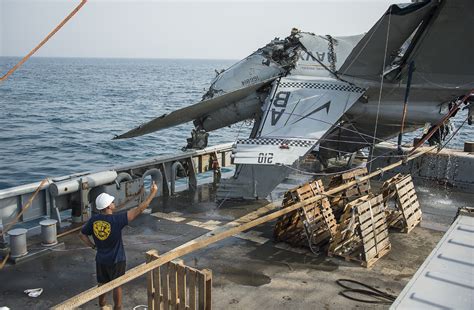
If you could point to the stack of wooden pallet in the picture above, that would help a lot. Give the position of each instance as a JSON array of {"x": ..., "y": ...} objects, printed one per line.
[
  {"x": 354, "y": 223},
  {"x": 311, "y": 225}
]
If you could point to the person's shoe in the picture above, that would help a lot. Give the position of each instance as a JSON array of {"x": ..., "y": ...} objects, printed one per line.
[{"x": 106, "y": 307}]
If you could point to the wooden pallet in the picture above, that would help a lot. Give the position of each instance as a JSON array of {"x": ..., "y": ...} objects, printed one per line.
[
  {"x": 407, "y": 214},
  {"x": 408, "y": 203},
  {"x": 362, "y": 234},
  {"x": 356, "y": 191},
  {"x": 392, "y": 212},
  {"x": 177, "y": 286},
  {"x": 318, "y": 217}
]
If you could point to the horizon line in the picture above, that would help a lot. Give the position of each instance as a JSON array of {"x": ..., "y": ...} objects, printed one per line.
[{"x": 124, "y": 58}]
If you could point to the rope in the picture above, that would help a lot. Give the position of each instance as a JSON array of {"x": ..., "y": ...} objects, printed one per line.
[
  {"x": 25, "y": 208},
  {"x": 52, "y": 33},
  {"x": 2, "y": 264},
  {"x": 378, "y": 296},
  {"x": 381, "y": 86}
]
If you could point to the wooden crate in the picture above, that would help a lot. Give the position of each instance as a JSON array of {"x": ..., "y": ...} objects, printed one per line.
[
  {"x": 362, "y": 234},
  {"x": 318, "y": 217},
  {"x": 177, "y": 286}
]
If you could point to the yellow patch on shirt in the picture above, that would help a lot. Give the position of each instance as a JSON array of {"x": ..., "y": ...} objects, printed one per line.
[{"x": 101, "y": 229}]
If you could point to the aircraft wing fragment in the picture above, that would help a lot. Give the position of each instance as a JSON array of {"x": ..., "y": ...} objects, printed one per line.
[
  {"x": 190, "y": 113},
  {"x": 298, "y": 114}
]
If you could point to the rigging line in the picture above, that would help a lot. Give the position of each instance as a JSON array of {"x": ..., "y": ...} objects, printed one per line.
[
  {"x": 52, "y": 33},
  {"x": 381, "y": 86},
  {"x": 365, "y": 45},
  {"x": 384, "y": 155},
  {"x": 240, "y": 128},
  {"x": 360, "y": 134}
]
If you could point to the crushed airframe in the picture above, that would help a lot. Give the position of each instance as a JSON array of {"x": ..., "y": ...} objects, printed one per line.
[{"x": 331, "y": 95}]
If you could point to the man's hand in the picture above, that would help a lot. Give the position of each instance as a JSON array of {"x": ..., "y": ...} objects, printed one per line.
[
  {"x": 133, "y": 213},
  {"x": 86, "y": 240},
  {"x": 153, "y": 188}
]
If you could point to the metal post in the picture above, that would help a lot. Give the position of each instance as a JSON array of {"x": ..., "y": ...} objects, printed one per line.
[
  {"x": 48, "y": 232},
  {"x": 18, "y": 242}
]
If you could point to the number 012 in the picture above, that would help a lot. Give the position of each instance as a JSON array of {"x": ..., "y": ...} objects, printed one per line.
[{"x": 265, "y": 158}]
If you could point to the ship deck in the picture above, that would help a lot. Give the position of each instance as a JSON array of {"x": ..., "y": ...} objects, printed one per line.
[{"x": 249, "y": 271}]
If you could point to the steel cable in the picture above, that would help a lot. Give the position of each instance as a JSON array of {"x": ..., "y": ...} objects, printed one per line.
[{"x": 379, "y": 297}]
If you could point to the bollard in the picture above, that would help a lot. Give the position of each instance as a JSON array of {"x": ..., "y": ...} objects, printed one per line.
[
  {"x": 469, "y": 147},
  {"x": 17, "y": 242},
  {"x": 49, "y": 232}
]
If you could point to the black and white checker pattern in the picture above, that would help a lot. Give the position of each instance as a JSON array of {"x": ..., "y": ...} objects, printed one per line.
[
  {"x": 276, "y": 141},
  {"x": 325, "y": 86}
]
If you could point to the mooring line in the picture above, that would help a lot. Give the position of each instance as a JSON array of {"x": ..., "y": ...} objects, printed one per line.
[{"x": 52, "y": 33}]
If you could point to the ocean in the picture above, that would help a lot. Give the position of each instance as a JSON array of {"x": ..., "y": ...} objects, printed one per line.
[{"x": 59, "y": 115}]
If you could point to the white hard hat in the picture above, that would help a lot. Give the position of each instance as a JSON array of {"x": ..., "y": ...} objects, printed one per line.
[{"x": 103, "y": 201}]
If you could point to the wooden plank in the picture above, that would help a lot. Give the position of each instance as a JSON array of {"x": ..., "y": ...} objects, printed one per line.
[
  {"x": 408, "y": 188},
  {"x": 157, "y": 298},
  {"x": 208, "y": 289},
  {"x": 376, "y": 211},
  {"x": 149, "y": 284},
  {"x": 374, "y": 254},
  {"x": 191, "y": 276},
  {"x": 173, "y": 275},
  {"x": 368, "y": 243},
  {"x": 166, "y": 286},
  {"x": 218, "y": 234},
  {"x": 181, "y": 286},
  {"x": 378, "y": 218},
  {"x": 201, "y": 286}
]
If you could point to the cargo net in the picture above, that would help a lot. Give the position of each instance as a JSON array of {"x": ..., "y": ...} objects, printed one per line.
[{"x": 353, "y": 223}]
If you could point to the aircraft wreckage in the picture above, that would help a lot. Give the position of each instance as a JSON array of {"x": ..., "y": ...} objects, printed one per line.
[{"x": 330, "y": 95}]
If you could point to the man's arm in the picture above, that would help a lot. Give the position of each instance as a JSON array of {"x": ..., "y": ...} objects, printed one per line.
[
  {"x": 86, "y": 240},
  {"x": 133, "y": 213}
]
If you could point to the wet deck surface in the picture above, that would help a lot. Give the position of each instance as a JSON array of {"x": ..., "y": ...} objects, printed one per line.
[{"x": 249, "y": 272}]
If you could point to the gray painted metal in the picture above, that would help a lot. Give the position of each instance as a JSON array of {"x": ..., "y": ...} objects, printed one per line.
[
  {"x": 49, "y": 232},
  {"x": 18, "y": 242},
  {"x": 452, "y": 167},
  {"x": 47, "y": 205},
  {"x": 446, "y": 279},
  {"x": 96, "y": 179}
]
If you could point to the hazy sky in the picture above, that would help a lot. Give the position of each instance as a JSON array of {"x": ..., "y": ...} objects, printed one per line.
[{"x": 174, "y": 29}]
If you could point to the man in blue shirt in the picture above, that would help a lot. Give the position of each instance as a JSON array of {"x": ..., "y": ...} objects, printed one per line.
[{"x": 106, "y": 231}]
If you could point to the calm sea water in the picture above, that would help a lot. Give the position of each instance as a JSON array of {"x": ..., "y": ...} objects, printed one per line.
[{"x": 58, "y": 115}]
